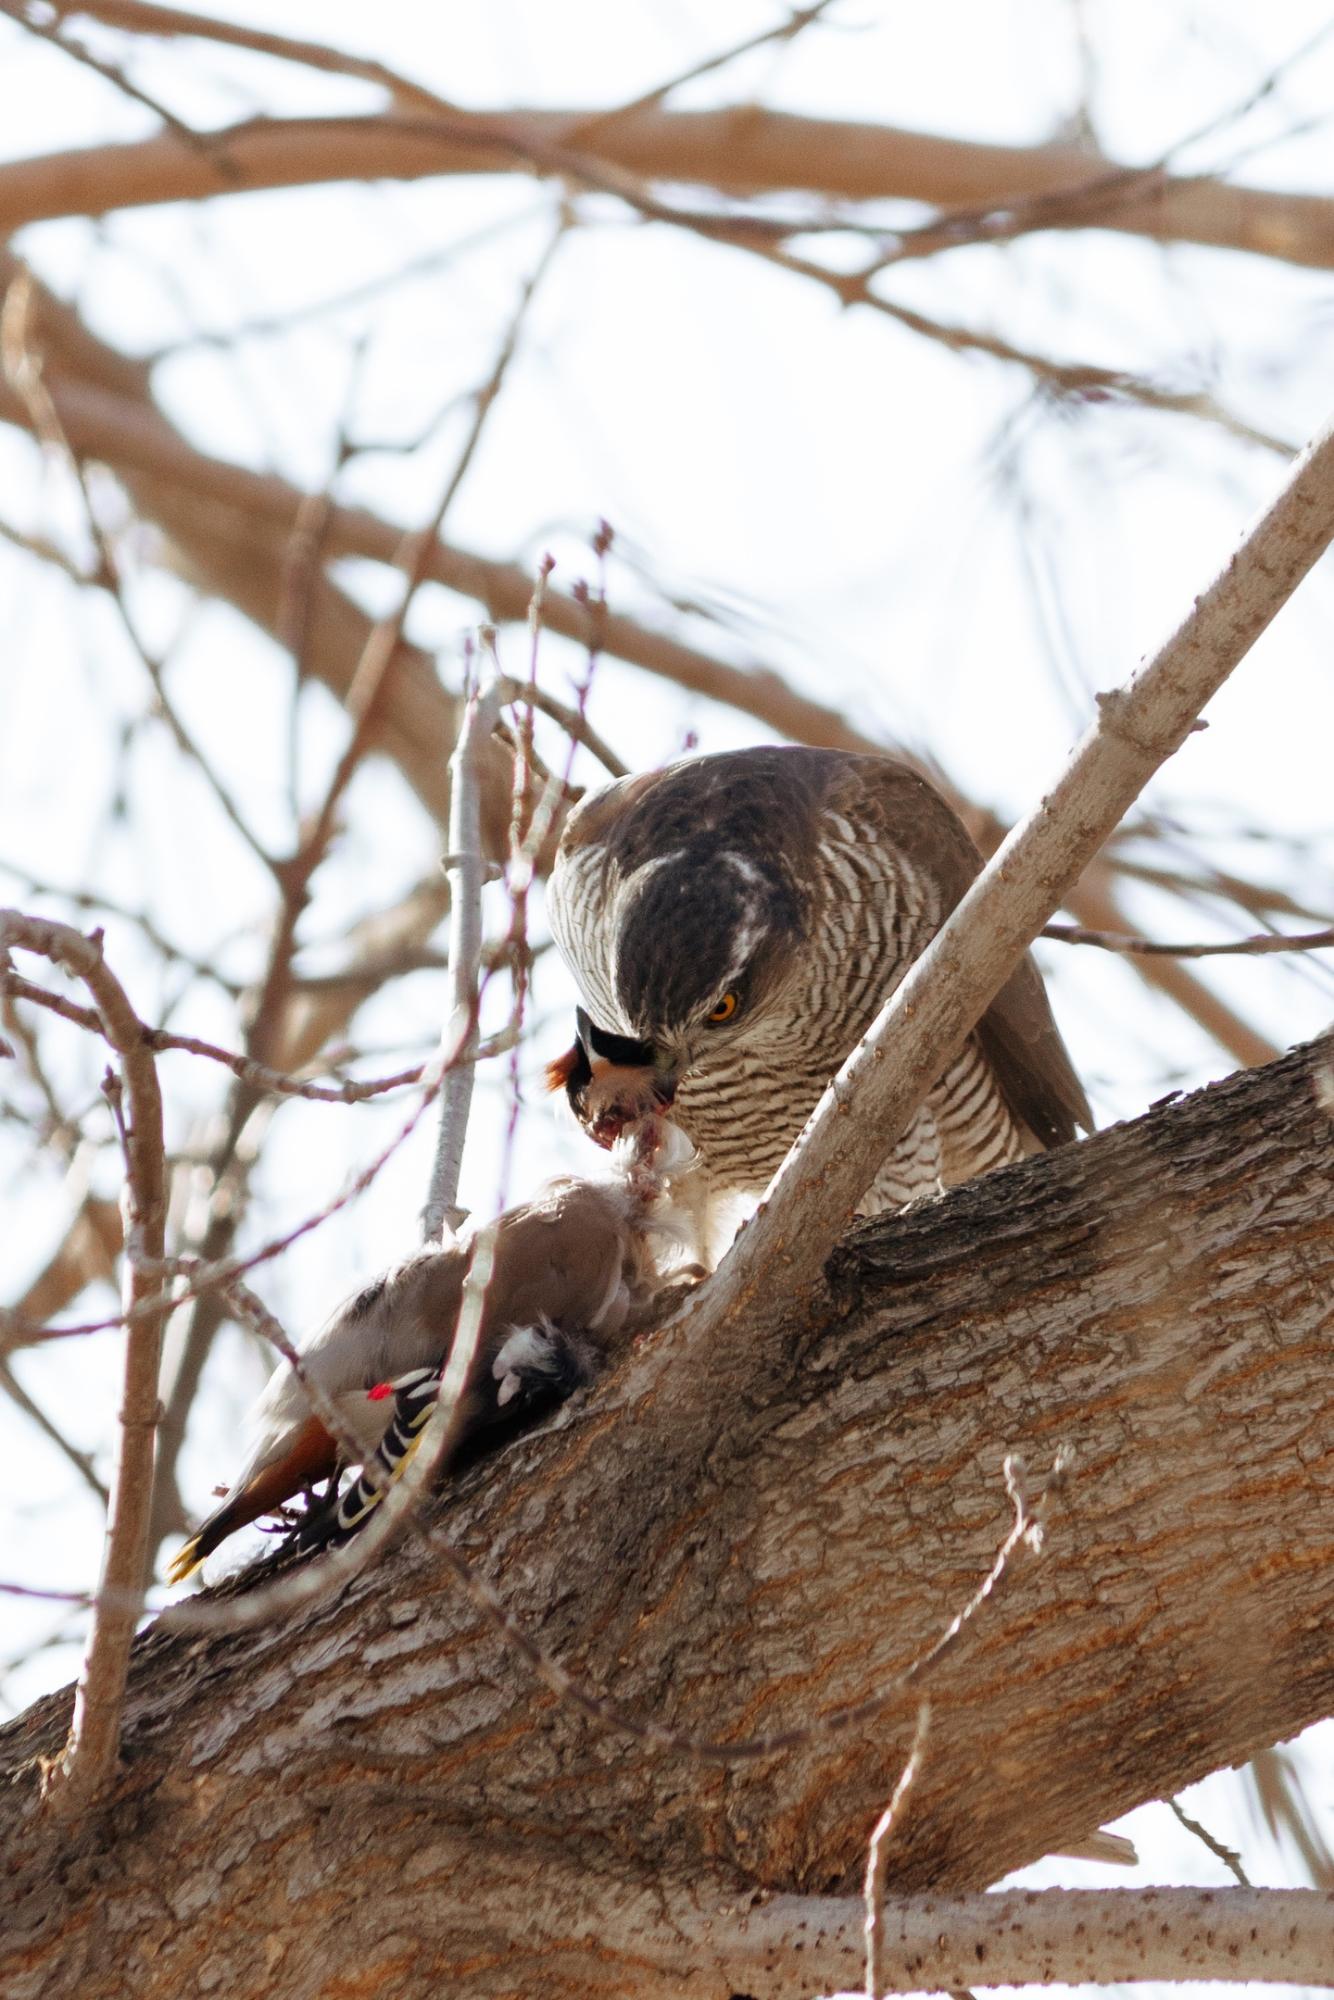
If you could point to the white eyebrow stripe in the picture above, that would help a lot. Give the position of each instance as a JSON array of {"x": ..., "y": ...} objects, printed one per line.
[
  {"x": 753, "y": 876},
  {"x": 748, "y": 938},
  {"x": 628, "y": 890}
]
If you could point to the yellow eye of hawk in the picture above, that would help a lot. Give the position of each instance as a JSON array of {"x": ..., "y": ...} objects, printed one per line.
[{"x": 725, "y": 1009}]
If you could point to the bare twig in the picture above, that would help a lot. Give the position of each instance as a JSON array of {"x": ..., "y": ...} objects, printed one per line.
[
  {"x": 877, "y": 1857},
  {"x": 1229, "y": 1857},
  {"x": 383, "y": 659},
  {"x": 22, "y": 12},
  {"x": 780, "y": 1253},
  {"x": 254, "y": 1313},
  {"x": 466, "y": 874},
  {"x": 80, "y": 1460},
  {"x": 1071, "y": 380},
  {"x": 258, "y": 1075},
  {"x": 576, "y": 726},
  {"x": 784, "y": 31},
  {"x": 1094, "y": 902},
  {"x": 107, "y": 906},
  {"x": 1255, "y": 947},
  {"x": 216, "y": 1274},
  {"x": 224, "y": 517},
  {"x": 135, "y": 17},
  {"x": 90, "y": 1754}
]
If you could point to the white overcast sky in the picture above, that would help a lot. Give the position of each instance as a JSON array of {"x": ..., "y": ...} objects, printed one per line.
[{"x": 896, "y": 529}]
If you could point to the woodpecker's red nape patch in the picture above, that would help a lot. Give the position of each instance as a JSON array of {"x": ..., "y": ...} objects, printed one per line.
[
  {"x": 559, "y": 1072},
  {"x": 380, "y": 1391}
]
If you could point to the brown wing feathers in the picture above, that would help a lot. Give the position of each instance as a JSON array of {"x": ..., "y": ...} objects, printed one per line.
[{"x": 1022, "y": 1042}]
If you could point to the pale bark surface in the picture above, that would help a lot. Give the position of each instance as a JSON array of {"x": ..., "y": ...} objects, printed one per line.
[{"x": 375, "y": 1795}]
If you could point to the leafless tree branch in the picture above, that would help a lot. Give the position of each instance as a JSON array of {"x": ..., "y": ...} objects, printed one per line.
[
  {"x": 792, "y": 1946},
  {"x": 466, "y": 874},
  {"x": 90, "y": 1753},
  {"x": 1252, "y": 947},
  {"x": 746, "y": 150}
]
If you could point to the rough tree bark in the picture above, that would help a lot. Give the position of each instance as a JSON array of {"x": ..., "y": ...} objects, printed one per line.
[{"x": 374, "y": 1795}]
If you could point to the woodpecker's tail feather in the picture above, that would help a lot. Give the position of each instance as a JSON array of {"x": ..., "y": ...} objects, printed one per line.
[
  {"x": 209, "y": 1535},
  {"x": 309, "y": 1455}
]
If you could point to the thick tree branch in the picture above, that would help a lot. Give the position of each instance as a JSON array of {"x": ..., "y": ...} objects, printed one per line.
[
  {"x": 730, "y": 1561},
  {"x": 796, "y": 1946},
  {"x": 743, "y": 151}
]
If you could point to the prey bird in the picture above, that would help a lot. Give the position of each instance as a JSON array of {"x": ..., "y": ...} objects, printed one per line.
[
  {"x": 570, "y": 1269},
  {"x": 735, "y": 923}
]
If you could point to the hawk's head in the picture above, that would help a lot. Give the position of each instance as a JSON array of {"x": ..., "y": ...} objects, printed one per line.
[{"x": 681, "y": 917}]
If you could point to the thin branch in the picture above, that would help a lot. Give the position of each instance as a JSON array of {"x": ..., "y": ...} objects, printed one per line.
[
  {"x": 781, "y": 1252},
  {"x": 466, "y": 868},
  {"x": 1229, "y": 1857},
  {"x": 255, "y": 1314},
  {"x": 785, "y": 31},
  {"x": 23, "y": 369},
  {"x": 576, "y": 725},
  {"x": 80, "y": 1460},
  {"x": 135, "y": 17},
  {"x": 106, "y": 906},
  {"x": 1254, "y": 947},
  {"x": 383, "y": 659},
  {"x": 413, "y": 558},
  {"x": 1094, "y": 902},
  {"x": 1074, "y": 381},
  {"x": 258, "y": 1075},
  {"x": 212, "y": 1275},
  {"x": 877, "y": 1857},
  {"x": 22, "y": 13},
  {"x": 90, "y": 1754}
]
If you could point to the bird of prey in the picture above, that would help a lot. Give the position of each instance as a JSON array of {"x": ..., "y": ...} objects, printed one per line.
[
  {"x": 569, "y": 1269},
  {"x": 735, "y": 923}
]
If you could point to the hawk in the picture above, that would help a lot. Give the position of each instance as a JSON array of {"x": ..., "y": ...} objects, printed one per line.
[
  {"x": 735, "y": 923},
  {"x": 569, "y": 1270}
]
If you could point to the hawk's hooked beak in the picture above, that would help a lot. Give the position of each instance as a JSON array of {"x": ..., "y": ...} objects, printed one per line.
[{"x": 611, "y": 1080}]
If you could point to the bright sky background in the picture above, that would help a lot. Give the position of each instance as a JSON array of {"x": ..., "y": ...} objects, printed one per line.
[{"x": 899, "y": 531}]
